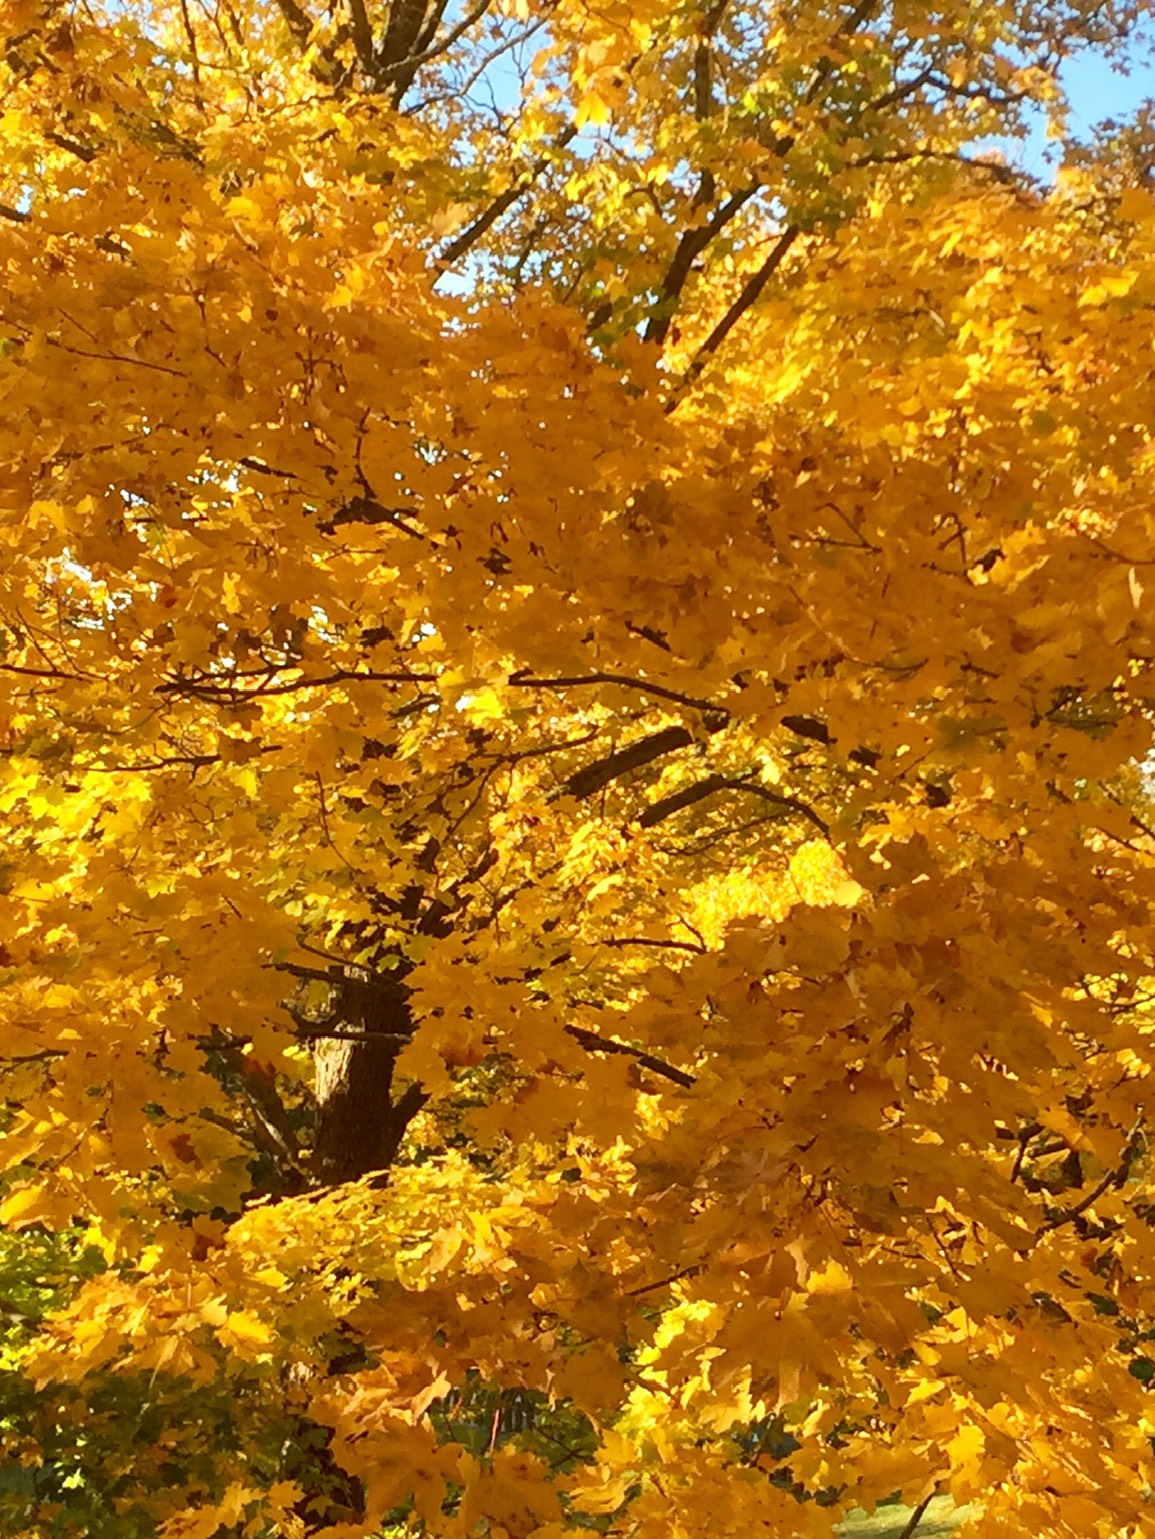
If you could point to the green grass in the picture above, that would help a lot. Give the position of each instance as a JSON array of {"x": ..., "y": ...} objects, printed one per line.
[{"x": 888, "y": 1522}]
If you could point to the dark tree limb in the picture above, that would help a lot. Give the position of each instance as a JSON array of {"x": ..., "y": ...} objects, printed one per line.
[
  {"x": 525, "y": 680},
  {"x": 818, "y": 732},
  {"x": 298, "y": 21},
  {"x": 694, "y": 241},
  {"x": 230, "y": 689},
  {"x": 750, "y": 293},
  {"x": 409, "y": 22},
  {"x": 359, "y": 1125},
  {"x": 21, "y": 1060},
  {"x": 658, "y": 811},
  {"x": 515, "y": 191},
  {"x": 664, "y": 1282},
  {"x": 362, "y": 35},
  {"x": 693, "y": 947},
  {"x": 327, "y": 68},
  {"x": 1115, "y": 1177},
  {"x": 917, "y": 1516},
  {"x": 428, "y": 45},
  {"x": 595, "y": 777},
  {"x": 594, "y": 1043},
  {"x": 691, "y": 244},
  {"x": 83, "y": 152},
  {"x": 269, "y": 1117},
  {"x": 827, "y": 65}
]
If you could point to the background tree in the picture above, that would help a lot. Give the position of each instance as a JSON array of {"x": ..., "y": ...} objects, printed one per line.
[{"x": 576, "y": 667}]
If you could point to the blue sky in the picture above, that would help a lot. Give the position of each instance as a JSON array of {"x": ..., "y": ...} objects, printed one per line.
[{"x": 1096, "y": 90}]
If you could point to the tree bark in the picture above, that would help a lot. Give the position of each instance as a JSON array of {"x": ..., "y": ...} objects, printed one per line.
[{"x": 359, "y": 1123}]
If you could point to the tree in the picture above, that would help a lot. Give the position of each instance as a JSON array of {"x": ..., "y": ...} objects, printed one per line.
[{"x": 576, "y": 668}]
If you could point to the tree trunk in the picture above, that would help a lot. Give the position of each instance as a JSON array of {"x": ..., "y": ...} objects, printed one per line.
[{"x": 359, "y": 1125}]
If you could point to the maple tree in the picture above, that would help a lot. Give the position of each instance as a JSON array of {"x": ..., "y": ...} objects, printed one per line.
[{"x": 576, "y": 668}]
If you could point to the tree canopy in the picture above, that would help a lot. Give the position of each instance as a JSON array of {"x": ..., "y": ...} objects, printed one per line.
[{"x": 576, "y": 660}]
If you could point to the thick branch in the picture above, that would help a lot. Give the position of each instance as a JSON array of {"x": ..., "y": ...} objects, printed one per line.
[
  {"x": 300, "y": 24},
  {"x": 430, "y": 46},
  {"x": 694, "y": 241},
  {"x": 362, "y": 34},
  {"x": 409, "y": 22},
  {"x": 825, "y": 67},
  {"x": 694, "y": 948},
  {"x": 271, "y": 1123},
  {"x": 21, "y": 1060},
  {"x": 690, "y": 246},
  {"x": 489, "y": 217},
  {"x": 596, "y": 776},
  {"x": 83, "y": 152},
  {"x": 751, "y": 291},
  {"x": 658, "y": 811},
  {"x": 818, "y": 732},
  {"x": 297, "y": 20}
]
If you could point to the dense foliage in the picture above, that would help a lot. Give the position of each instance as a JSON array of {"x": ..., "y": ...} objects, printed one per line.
[{"x": 576, "y": 660}]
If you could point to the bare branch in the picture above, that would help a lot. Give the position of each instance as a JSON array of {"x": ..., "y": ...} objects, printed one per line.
[
  {"x": 704, "y": 62},
  {"x": 695, "y": 240},
  {"x": 41, "y": 673},
  {"x": 21, "y": 1060},
  {"x": 664, "y": 1282},
  {"x": 83, "y": 152},
  {"x": 367, "y": 510},
  {"x": 826, "y": 66},
  {"x": 429, "y": 46},
  {"x": 272, "y": 1124},
  {"x": 266, "y": 470},
  {"x": 194, "y": 53},
  {"x": 596, "y": 776},
  {"x": 410, "y": 21}
]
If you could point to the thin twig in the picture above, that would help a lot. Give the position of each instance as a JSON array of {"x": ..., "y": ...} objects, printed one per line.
[
  {"x": 597, "y": 1044},
  {"x": 645, "y": 940},
  {"x": 664, "y": 1282},
  {"x": 525, "y": 680},
  {"x": 209, "y": 688}
]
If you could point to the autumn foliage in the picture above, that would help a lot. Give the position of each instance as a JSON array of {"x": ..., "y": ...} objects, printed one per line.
[{"x": 576, "y": 660}]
